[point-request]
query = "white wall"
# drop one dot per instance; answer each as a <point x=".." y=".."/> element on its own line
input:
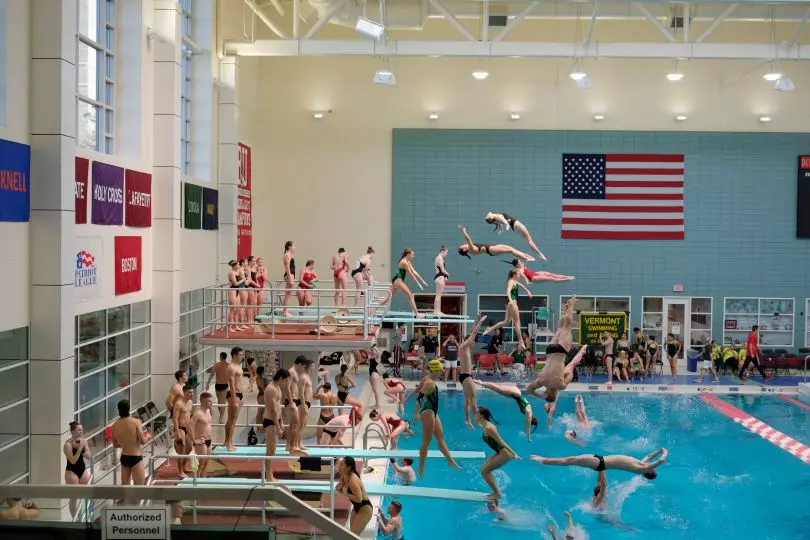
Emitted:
<point x="199" y="259"/>
<point x="15" y="285"/>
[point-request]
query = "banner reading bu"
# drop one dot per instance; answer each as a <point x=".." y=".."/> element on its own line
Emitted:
<point x="128" y="264"/>
<point x="593" y="325"/>
<point x="244" y="204"/>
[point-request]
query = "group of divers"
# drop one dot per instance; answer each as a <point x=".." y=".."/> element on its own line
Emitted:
<point x="285" y="399"/>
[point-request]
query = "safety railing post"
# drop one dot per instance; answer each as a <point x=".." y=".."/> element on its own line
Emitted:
<point x="317" y="313"/>
<point x="332" y="488"/>
<point x="265" y="464"/>
<point x="272" y="313"/>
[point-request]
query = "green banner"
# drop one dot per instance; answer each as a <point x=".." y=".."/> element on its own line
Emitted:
<point x="192" y="204"/>
<point x="593" y="325"/>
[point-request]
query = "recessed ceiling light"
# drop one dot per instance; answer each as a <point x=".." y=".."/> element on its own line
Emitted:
<point x="433" y="116"/>
<point x="675" y="76"/>
<point x="680" y="117"/>
<point x="764" y="119"/>
<point x="772" y="76"/>
<point x="514" y="116"/>
<point x="577" y="75"/>
<point x="480" y="74"/>
<point x="599" y="117"/>
<point x="317" y="115"/>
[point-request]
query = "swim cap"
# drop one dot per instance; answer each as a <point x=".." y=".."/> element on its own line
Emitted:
<point x="435" y="365"/>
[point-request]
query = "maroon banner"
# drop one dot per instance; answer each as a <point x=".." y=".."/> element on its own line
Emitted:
<point x="80" y="189"/>
<point x="128" y="264"/>
<point x="244" y="205"/>
<point x="139" y="199"/>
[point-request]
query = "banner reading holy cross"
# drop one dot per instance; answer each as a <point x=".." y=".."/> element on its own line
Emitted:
<point x="192" y="202"/>
<point x="210" y="221"/>
<point x="244" y="205"/>
<point x="80" y="190"/>
<point x="108" y="194"/>
<point x="15" y="181"/>
<point x="593" y="325"/>
<point x="139" y="199"/>
<point x="128" y="264"/>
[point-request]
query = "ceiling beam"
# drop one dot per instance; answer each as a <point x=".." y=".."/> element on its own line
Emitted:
<point x="331" y="12"/>
<point x="715" y="23"/>
<point x="594" y="16"/>
<point x="451" y="19"/>
<point x="517" y="20"/>
<point x="655" y="22"/>
<point x="799" y="28"/>
<point x="265" y="19"/>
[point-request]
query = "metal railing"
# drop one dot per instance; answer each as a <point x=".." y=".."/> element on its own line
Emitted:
<point x="804" y="372"/>
<point x="171" y="494"/>
<point x="379" y="432"/>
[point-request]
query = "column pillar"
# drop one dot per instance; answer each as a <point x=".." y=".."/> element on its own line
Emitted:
<point x="228" y="163"/>
<point x="166" y="182"/>
<point x="53" y="244"/>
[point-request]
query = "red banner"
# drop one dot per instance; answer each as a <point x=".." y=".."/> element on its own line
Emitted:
<point x="128" y="264"/>
<point x="244" y="204"/>
<point x="80" y="189"/>
<point x="138" y="212"/>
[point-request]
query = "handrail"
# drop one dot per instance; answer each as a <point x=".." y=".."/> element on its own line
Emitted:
<point x="804" y="373"/>
<point x="180" y="493"/>
<point x="380" y="433"/>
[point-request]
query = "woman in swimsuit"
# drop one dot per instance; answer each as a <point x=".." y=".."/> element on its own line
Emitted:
<point x="471" y="248"/>
<point x="465" y="372"/>
<point x="252" y="288"/>
<point x="236" y="281"/>
<point x="374" y="377"/>
<point x="340" y="272"/>
<point x="530" y="276"/>
<point x="673" y="352"/>
<point x="512" y="311"/>
<point x="244" y="275"/>
<point x="440" y="279"/>
<point x="393" y="425"/>
<point x="328" y="400"/>
<point x="555" y="375"/>
<point x="362" y="273"/>
<point x="261" y="282"/>
<point x="344" y="382"/>
<point x="76" y="450"/>
<point x="405" y="268"/>
<point x="350" y="484"/>
<point x="513" y="392"/>
<point x="394" y="389"/>
<point x="308" y="281"/>
<point x="261" y="384"/>
<point x="505" y="221"/>
<point x="427" y="410"/>
<point x="289" y="273"/>
<point x="503" y="452"/>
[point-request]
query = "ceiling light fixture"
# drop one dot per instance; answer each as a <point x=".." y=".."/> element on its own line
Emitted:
<point x="384" y="76"/>
<point x="369" y="28"/>
<point x="785" y="84"/>
<point x="675" y="76"/>
<point x="578" y="75"/>
<point x="765" y="119"/>
<point x="480" y="74"/>
<point x="317" y="115"/>
<point x="680" y="117"/>
<point x="599" y="117"/>
<point x="772" y="76"/>
<point x="433" y="116"/>
<point x="514" y="116"/>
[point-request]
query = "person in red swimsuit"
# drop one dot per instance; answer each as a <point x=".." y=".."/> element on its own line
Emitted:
<point x="261" y="281"/>
<point x="340" y="271"/>
<point x="530" y="276"/>
<point x="307" y="283"/>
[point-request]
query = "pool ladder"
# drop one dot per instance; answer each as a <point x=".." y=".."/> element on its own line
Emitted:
<point x="376" y="430"/>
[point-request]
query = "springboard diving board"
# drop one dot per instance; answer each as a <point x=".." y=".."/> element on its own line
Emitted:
<point x="385" y="490"/>
<point x="357" y="453"/>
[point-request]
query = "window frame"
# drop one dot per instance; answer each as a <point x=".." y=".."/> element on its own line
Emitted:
<point x="595" y="297"/>
<point x="760" y="315"/>
<point x="502" y="313"/>
<point x="187" y="51"/>
<point x="203" y="351"/>
<point x="105" y="49"/>
<point x="27" y="401"/>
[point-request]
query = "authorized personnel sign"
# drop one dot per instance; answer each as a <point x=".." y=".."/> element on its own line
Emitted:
<point x="135" y="523"/>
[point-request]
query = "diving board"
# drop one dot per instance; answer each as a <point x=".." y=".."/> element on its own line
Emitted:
<point x="357" y="453"/>
<point x="385" y="490"/>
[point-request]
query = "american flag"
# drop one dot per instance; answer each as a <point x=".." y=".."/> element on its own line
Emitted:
<point x="623" y="196"/>
<point x="85" y="259"/>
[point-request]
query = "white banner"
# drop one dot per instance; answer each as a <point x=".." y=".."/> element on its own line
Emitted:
<point x="87" y="279"/>
<point x="135" y="523"/>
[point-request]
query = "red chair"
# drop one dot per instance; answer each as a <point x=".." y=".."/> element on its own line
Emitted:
<point x="485" y="362"/>
<point x="506" y="360"/>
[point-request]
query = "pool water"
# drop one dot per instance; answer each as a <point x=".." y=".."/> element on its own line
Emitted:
<point x="719" y="481"/>
<point x="786" y="417"/>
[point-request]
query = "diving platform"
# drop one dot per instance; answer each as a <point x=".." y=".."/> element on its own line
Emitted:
<point x="357" y="453"/>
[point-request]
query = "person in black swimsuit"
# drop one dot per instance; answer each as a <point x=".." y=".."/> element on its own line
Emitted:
<point x="440" y="279"/>
<point x="76" y="450"/>
<point x="645" y="467"/>
<point x="350" y="484"/>
<point x="375" y="379"/>
<point x="505" y="221"/>
<point x="289" y="273"/>
<point x="471" y="248"/>
<point x="362" y="274"/>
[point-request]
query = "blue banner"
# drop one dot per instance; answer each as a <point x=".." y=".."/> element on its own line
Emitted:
<point x="210" y="220"/>
<point x="15" y="181"/>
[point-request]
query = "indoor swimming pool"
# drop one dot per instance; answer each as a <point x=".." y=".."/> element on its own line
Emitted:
<point x="720" y="480"/>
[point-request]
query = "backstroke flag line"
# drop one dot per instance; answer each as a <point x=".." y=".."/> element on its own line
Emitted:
<point x="622" y="196"/>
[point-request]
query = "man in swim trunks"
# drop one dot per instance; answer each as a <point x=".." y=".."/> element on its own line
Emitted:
<point x="219" y="372"/>
<point x="19" y="510"/>
<point x="176" y="391"/>
<point x="302" y="368"/>
<point x="234" y="396"/>
<point x="291" y="400"/>
<point x="128" y="435"/>
<point x="181" y="414"/>
<point x="272" y="422"/>
<point x="645" y="467"/>
<point x="200" y="431"/>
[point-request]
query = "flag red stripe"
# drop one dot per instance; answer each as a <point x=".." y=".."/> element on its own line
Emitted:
<point x="644" y="172"/>
<point x="645" y="209"/>
<point x="623" y="235"/>
<point x="644" y="158"/>
<point x="619" y="221"/>
<point x="642" y="184"/>
<point x="644" y="196"/>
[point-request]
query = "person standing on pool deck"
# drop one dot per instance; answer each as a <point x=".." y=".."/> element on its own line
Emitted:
<point x="272" y="422"/>
<point x="607" y="343"/>
<point x="440" y="279"/>
<point x="465" y="372"/>
<point x="707" y="364"/>
<point x="200" y="431"/>
<point x="128" y="435"/>
<point x="644" y="467"/>
<point x="503" y="452"/>
<point x="513" y="392"/>
<point x="450" y="348"/>
<point x="752" y="354"/>
<point x="288" y="261"/>
<point x="302" y="367"/>
<point x="427" y="410"/>
<point x="673" y="352"/>
<point x="234" y="396"/>
<point x="76" y="450"/>
<point x="176" y="391"/>
<point x="181" y="415"/>
<point x="220" y="374"/>
<point x="350" y="484"/>
<point x="340" y="272"/>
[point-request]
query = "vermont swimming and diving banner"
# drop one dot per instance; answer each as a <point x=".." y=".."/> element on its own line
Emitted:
<point x="80" y="189"/>
<point x="128" y="264"/>
<point x="15" y="181"/>
<point x="244" y="205"/>
<point x="192" y="203"/>
<point x="108" y="194"/>
<point x="210" y="221"/>
<point x="139" y="199"/>
<point x="803" y="199"/>
<point x="593" y="325"/>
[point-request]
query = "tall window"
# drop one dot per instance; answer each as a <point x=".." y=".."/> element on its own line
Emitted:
<point x="14" y="407"/>
<point x="195" y="358"/>
<point x="95" y="76"/>
<point x="185" y="87"/>
<point x="113" y="352"/>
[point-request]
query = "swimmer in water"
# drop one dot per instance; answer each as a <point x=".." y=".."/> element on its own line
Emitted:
<point x="500" y="513"/>
<point x="391" y="527"/>
<point x="645" y="467"/>
<point x="513" y="392"/>
<point x="569" y="530"/>
<point x="405" y="471"/>
<point x="582" y="415"/>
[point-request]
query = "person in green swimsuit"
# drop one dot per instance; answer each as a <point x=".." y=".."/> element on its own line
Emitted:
<point x="427" y="410"/>
<point x="503" y="453"/>
<point x="405" y="268"/>
<point x="512" y="313"/>
<point x="513" y="392"/>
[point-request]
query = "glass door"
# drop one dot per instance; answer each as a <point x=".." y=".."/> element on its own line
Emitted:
<point x="678" y="320"/>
